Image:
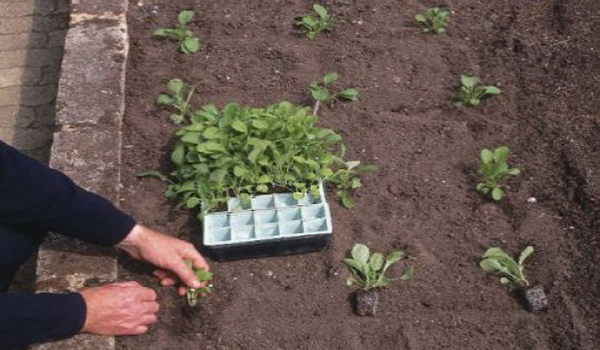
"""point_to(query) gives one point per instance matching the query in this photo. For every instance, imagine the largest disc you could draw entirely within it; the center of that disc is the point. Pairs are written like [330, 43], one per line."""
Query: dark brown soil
[543, 54]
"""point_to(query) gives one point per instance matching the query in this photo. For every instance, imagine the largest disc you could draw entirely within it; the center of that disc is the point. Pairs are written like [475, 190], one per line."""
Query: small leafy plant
[434, 19]
[471, 93]
[319, 90]
[188, 43]
[204, 277]
[494, 170]
[240, 151]
[496, 261]
[315, 24]
[367, 271]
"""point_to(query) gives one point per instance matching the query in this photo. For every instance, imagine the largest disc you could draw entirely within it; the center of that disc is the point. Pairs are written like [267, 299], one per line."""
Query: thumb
[185, 273]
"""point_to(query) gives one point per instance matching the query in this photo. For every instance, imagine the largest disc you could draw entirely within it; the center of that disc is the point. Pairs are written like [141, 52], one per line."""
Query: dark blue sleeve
[31, 318]
[33, 194]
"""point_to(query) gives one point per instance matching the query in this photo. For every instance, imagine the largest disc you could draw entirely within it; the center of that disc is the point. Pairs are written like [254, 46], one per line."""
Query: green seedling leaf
[471, 93]
[330, 77]
[154, 174]
[497, 193]
[320, 10]
[349, 94]
[487, 156]
[492, 90]
[496, 261]
[185, 17]
[348, 201]
[239, 126]
[313, 25]
[187, 42]
[433, 20]
[163, 99]
[360, 254]
[468, 82]
[175, 86]
[368, 270]
[494, 170]
[525, 254]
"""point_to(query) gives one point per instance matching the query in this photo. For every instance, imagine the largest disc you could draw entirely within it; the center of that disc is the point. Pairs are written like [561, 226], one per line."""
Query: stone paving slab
[87, 146]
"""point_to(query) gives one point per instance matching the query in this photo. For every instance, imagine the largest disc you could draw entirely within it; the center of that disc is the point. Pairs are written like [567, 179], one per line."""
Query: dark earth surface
[543, 54]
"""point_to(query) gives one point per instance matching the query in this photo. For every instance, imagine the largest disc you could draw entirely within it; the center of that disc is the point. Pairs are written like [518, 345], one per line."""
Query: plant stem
[316, 107]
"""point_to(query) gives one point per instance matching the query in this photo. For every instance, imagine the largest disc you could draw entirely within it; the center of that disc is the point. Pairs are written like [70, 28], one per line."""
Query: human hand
[167, 253]
[119, 309]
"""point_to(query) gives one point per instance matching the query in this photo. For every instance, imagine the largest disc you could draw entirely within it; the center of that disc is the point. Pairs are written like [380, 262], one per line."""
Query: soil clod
[366, 302]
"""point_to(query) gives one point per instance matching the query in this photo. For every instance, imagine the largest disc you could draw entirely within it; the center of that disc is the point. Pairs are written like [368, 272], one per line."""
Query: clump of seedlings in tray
[433, 19]
[240, 151]
[471, 92]
[188, 43]
[319, 90]
[204, 277]
[368, 273]
[494, 170]
[313, 25]
[496, 261]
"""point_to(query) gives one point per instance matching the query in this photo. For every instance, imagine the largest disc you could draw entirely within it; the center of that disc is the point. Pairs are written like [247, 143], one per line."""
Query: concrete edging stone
[87, 146]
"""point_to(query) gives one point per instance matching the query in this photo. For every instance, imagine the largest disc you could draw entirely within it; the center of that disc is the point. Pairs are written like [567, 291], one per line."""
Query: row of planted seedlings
[257, 176]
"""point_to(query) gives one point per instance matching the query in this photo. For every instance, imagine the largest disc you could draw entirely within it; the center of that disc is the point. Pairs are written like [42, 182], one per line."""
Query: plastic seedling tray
[269, 225]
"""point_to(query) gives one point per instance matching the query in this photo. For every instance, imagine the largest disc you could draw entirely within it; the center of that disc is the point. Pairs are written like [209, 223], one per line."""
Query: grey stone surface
[87, 145]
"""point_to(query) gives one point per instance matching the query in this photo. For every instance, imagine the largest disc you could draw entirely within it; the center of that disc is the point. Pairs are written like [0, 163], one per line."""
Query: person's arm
[33, 194]
[30, 318]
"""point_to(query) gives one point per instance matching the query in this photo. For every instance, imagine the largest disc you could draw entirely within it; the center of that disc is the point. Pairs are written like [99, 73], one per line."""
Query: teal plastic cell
[267, 230]
[285, 200]
[309, 199]
[289, 214]
[316, 225]
[235, 204]
[263, 202]
[265, 216]
[316, 211]
[217, 221]
[242, 218]
[242, 233]
[291, 227]
[220, 235]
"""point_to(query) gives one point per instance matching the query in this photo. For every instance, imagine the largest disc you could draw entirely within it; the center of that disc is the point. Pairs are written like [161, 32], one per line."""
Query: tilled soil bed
[543, 54]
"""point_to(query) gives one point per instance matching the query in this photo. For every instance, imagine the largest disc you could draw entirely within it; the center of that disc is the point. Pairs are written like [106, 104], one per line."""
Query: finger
[181, 290]
[146, 294]
[197, 260]
[167, 282]
[151, 307]
[140, 330]
[149, 319]
[127, 284]
[186, 275]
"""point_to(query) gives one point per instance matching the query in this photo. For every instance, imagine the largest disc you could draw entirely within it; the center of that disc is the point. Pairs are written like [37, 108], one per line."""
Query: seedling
[315, 24]
[204, 277]
[239, 151]
[188, 43]
[471, 93]
[368, 273]
[434, 19]
[319, 90]
[494, 170]
[496, 261]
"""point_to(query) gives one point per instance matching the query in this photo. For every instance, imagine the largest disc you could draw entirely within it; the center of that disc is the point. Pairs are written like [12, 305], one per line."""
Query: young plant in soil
[434, 19]
[496, 261]
[368, 273]
[203, 276]
[471, 92]
[188, 43]
[313, 25]
[494, 170]
[241, 151]
[319, 90]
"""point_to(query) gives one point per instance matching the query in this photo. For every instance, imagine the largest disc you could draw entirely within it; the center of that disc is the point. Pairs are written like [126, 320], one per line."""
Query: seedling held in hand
[498, 262]
[315, 24]
[434, 19]
[204, 277]
[368, 273]
[188, 43]
[471, 93]
[494, 170]
[319, 90]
